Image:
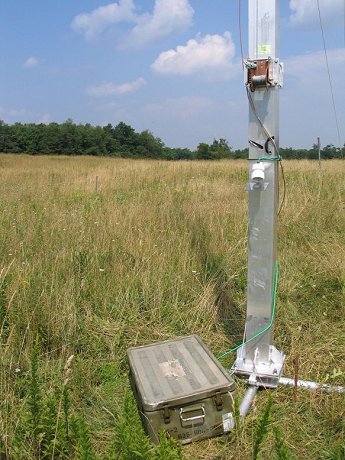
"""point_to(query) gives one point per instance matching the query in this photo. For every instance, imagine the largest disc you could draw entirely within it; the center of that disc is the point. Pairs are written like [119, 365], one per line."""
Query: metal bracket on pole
[263, 73]
[258, 360]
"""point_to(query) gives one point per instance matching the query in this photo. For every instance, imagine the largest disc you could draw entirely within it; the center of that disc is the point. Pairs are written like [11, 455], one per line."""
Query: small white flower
[102, 269]
[69, 362]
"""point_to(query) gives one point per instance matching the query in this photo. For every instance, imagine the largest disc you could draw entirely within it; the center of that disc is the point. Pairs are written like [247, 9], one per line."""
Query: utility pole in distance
[257, 359]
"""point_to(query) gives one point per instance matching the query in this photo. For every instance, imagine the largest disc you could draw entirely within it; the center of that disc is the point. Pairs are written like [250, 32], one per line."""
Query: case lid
[176, 372]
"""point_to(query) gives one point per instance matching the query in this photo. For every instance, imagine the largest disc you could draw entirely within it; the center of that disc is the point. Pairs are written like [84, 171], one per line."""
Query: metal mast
[258, 360]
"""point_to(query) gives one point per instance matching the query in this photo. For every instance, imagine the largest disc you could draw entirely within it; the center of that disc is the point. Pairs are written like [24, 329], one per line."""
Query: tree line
[122, 140]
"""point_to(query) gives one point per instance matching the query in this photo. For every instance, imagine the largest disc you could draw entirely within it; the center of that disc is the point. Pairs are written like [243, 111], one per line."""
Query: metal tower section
[258, 360]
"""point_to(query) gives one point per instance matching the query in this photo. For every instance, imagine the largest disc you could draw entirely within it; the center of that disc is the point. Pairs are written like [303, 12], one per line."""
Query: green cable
[223, 355]
[269, 159]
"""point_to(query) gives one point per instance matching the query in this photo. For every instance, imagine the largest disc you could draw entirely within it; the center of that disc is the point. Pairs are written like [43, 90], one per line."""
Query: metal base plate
[258, 373]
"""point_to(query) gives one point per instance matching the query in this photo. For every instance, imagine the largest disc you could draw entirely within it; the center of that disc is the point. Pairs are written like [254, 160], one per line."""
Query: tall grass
[158, 252]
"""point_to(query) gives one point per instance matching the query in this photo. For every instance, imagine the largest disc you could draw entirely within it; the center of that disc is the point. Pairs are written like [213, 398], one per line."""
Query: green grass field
[158, 252]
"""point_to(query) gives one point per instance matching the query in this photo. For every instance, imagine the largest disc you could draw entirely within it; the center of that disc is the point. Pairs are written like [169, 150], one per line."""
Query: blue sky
[170, 66]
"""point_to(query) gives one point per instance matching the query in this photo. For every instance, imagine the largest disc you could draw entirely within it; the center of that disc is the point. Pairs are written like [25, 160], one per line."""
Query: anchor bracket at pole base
[258, 372]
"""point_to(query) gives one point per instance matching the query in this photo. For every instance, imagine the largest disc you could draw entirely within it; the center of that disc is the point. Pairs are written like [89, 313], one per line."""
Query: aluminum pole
[258, 359]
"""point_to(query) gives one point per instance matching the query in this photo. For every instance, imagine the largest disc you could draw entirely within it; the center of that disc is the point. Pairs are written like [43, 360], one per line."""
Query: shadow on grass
[214, 271]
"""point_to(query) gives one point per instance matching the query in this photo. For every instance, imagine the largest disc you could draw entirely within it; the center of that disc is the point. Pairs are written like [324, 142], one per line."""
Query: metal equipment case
[181, 388]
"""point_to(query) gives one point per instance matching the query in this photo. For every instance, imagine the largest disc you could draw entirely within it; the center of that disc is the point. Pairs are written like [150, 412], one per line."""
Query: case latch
[166, 414]
[218, 401]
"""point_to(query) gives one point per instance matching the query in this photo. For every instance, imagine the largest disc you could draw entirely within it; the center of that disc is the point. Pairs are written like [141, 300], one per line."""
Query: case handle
[195, 417]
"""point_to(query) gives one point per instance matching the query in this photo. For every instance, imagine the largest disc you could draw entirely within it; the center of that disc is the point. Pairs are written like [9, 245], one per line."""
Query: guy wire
[329, 73]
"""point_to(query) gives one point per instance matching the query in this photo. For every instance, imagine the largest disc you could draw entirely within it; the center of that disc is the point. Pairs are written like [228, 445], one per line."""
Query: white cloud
[306, 11]
[168, 17]
[30, 62]
[110, 89]
[94, 23]
[314, 64]
[212, 53]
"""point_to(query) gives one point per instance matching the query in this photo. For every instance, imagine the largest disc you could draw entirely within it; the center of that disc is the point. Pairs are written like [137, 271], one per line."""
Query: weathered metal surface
[180, 387]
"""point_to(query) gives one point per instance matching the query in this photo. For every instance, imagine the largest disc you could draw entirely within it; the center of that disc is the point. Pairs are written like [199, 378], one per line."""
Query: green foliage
[282, 452]
[130, 441]
[81, 440]
[149, 146]
[70, 139]
[237, 414]
[167, 449]
[262, 428]
[45, 432]
[2, 449]
[34, 399]
[217, 150]
[177, 154]
[40, 427]
[4, 323]
[337, 453]
[48, 426]
[203, 152]
[66, 408]
[220, 149]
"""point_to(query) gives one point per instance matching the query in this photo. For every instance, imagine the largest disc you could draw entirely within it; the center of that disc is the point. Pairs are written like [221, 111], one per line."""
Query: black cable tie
[255, 144]
[266, 144]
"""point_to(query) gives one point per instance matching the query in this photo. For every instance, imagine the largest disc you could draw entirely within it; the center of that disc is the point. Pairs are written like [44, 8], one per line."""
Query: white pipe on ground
[252, 390]
[312, 385]
[247, 400]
